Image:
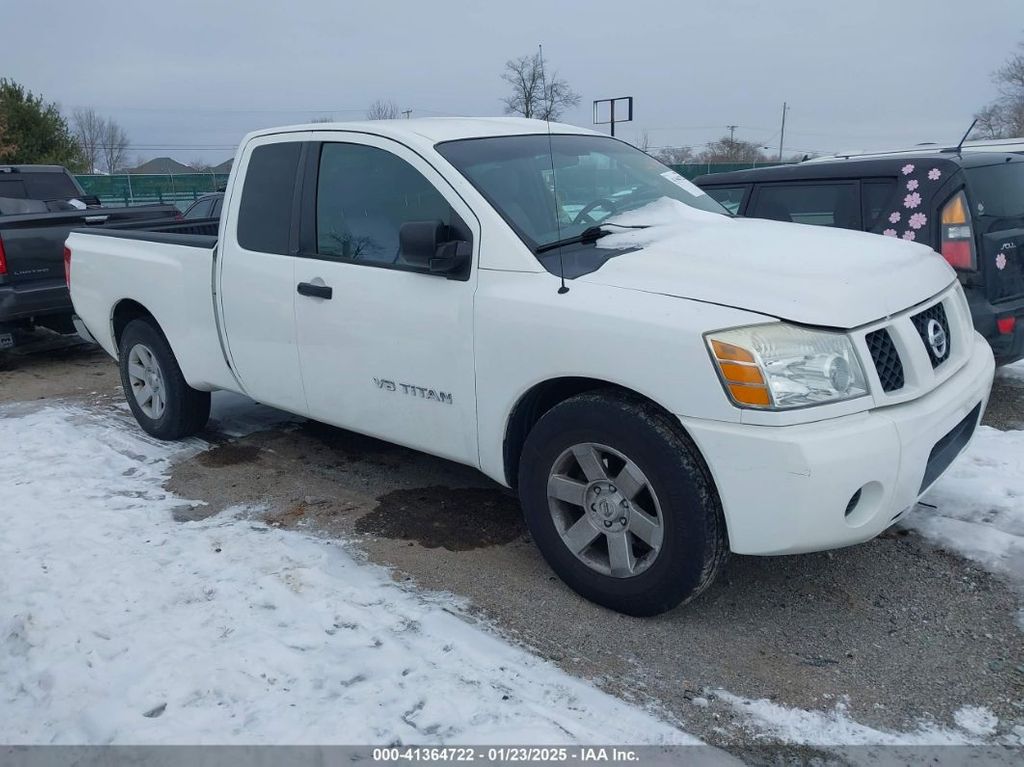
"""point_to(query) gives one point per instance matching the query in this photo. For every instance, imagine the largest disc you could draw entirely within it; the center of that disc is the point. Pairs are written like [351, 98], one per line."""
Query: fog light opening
[854, 500]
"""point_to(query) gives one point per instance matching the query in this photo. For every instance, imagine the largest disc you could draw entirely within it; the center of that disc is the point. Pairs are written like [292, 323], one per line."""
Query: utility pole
[732, 132]
[407, 113]
[782, 133]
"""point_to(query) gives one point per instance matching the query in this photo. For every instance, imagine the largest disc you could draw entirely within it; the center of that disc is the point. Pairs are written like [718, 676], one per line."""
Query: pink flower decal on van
[918, 220]
[934, 174]
[912, 200]
[889, 232]
[912, 185]
[894, 217]
[907, 169]
[1001, 261]
[909, 235]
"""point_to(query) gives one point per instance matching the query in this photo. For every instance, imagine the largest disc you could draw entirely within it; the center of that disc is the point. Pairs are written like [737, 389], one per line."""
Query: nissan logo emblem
[937, 339]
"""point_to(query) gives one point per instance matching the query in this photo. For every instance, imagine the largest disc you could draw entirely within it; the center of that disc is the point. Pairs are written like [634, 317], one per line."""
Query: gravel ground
[906, 631]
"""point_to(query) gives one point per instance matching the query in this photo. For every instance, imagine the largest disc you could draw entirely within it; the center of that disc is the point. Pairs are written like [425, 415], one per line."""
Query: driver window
[364, 195]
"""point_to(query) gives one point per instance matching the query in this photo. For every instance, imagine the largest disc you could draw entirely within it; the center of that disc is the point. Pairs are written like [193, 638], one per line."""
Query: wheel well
[538, 401]
[126, 311]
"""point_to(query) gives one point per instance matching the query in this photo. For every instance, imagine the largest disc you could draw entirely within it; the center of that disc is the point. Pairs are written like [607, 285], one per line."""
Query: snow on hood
[809, 274]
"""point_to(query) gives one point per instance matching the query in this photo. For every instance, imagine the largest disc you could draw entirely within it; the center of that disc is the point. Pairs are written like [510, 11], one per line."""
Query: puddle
[440, 517]
[228, 454]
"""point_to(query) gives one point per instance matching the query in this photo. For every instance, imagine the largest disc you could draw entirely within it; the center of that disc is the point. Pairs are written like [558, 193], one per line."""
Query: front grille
[886, 358]
[938, 344]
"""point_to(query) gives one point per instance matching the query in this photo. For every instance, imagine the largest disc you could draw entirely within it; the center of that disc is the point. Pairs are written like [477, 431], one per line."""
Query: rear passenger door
[386, 346]
[820, 203]
[256, 262]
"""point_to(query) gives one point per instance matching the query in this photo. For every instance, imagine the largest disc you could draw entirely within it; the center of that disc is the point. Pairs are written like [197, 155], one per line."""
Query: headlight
[779, 366]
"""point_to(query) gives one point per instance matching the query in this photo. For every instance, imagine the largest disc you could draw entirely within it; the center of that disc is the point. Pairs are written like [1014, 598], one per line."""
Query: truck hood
[808, 274]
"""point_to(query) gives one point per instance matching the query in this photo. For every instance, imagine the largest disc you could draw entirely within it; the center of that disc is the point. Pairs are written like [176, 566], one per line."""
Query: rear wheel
[162, 402]
[620, 504]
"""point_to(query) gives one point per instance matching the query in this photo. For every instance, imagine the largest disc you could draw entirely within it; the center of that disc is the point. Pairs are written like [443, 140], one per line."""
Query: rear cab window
[38, 185]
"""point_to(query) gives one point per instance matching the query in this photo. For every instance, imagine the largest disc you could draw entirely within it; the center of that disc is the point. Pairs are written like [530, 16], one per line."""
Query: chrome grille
[928, 324]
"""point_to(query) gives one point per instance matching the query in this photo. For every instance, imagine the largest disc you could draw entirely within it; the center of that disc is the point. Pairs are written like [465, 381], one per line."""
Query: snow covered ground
[120, 625]
[980, 504]
[974, 726]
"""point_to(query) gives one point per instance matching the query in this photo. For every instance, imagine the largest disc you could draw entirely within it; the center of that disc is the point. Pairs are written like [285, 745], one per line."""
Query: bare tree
[675, 155]
[324, 119]
[536, 92]
[643, 141]
[728, 149]
[115, 147]
[382, 109]
[199, 165]
[1004, 117]
[90, 131]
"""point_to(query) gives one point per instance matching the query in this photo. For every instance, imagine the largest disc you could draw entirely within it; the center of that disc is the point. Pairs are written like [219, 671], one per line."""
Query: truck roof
[32, 169]
[435, 129]
[856, 167]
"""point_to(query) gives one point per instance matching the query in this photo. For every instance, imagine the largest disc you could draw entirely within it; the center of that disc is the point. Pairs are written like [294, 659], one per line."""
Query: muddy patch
[228, 454]
[349, 446]
[440, 517]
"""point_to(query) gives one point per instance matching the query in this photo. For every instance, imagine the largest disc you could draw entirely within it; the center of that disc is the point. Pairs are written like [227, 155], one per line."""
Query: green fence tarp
[691, 170]
[141, 188]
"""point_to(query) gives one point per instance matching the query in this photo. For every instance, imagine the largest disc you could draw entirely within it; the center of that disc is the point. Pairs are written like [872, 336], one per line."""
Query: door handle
[314, 290]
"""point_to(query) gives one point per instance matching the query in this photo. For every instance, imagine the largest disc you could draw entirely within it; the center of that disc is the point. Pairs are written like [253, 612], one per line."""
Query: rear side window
[265, 213]
[730, 197]
[820, 204]
[876, 195]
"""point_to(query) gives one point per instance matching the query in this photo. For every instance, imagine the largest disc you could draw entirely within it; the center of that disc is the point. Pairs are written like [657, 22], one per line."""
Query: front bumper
[791, 489]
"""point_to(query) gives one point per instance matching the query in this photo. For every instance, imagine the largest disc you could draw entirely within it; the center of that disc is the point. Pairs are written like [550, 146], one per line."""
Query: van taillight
[67, 266]
[3, 258]
[957, 234]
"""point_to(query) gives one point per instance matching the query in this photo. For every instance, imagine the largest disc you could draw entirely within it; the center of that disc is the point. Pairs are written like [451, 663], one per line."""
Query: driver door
[386, 346]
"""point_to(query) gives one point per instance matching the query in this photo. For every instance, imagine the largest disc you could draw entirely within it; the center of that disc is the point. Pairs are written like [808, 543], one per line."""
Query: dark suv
[967, 206]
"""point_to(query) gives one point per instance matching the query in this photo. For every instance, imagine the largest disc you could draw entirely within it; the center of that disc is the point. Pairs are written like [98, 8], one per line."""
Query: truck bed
[32, 288]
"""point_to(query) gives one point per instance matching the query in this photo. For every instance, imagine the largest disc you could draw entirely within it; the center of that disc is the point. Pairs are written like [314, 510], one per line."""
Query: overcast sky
[188, 78]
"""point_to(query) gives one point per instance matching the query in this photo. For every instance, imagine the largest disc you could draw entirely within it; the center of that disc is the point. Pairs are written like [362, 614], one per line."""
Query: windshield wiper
[590, 234]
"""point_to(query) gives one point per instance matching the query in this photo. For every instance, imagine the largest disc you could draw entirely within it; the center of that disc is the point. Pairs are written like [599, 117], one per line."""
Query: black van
[967, 206]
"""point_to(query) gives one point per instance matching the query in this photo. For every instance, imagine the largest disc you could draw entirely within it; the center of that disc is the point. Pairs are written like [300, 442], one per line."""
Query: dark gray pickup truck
[39, 206]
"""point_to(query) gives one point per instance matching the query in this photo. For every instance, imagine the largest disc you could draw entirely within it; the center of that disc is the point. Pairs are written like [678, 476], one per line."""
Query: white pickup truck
[660, 382]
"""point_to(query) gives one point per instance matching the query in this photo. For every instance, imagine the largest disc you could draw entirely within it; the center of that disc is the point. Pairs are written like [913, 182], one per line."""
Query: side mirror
[426, 245]
[418, 241]
[452, 258]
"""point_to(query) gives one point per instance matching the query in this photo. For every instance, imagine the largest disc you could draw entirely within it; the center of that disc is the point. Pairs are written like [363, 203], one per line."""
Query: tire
[619, 569]
[182, 411]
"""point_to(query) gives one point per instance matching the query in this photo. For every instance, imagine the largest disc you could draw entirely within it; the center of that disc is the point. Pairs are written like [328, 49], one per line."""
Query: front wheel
[620, 504]
[162, 402]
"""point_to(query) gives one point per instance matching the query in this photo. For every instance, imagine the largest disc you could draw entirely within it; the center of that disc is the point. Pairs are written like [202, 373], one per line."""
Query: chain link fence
[146, 189]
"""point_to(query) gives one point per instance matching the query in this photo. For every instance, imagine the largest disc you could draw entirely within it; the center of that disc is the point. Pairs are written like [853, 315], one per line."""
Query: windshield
[554, 188]
[997, 191]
